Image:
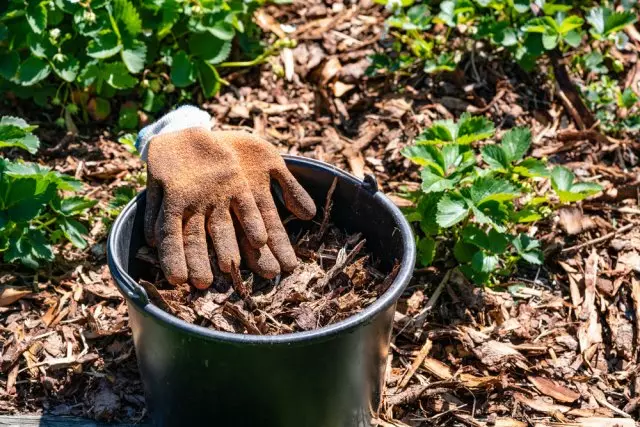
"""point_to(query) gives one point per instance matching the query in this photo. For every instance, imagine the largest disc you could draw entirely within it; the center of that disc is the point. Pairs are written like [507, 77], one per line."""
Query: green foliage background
[58, 50]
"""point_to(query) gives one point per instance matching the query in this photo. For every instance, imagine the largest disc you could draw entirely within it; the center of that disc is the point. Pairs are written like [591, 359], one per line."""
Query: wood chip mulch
[553, 346]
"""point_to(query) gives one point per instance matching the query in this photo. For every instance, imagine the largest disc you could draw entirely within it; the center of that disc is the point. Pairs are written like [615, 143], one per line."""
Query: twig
[248, 323]
[416, 392]
[568, 93]
[420, 317]
[599, 239]
[601, 399]
[424, 351]
[239, 286]
[577, 135]
[327, 210]
[341, 263]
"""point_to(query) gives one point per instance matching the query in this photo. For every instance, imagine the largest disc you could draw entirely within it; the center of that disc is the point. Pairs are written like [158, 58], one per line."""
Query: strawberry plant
[526, 29]
[617, 110]
[473, 202]
[81, 53]
[36, 208]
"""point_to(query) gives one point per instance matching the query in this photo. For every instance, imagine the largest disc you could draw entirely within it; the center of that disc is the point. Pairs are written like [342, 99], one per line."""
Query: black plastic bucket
[329, 377]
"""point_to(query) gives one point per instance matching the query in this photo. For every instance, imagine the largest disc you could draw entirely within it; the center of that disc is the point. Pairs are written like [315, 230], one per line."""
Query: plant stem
[258, 60]
[46, 224]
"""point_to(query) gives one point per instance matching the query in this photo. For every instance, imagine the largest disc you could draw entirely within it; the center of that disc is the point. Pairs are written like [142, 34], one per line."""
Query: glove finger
[278, 242]
[247, 213]
[261, 261]
[171, 246]
[223, 236]
[154, 201]
[296, 198]
[196, 254]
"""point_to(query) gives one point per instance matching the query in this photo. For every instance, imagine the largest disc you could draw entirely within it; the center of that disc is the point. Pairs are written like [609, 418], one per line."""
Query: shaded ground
[554, 345]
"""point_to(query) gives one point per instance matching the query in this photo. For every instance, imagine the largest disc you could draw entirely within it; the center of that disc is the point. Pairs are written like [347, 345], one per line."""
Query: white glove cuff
[184, 117]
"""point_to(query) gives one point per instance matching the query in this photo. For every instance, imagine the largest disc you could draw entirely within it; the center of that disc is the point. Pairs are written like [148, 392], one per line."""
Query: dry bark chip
[495, 355]
[553, 389]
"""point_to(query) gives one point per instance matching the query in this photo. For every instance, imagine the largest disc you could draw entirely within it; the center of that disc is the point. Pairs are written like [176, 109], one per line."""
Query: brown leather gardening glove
[262, 163]
[198, 179]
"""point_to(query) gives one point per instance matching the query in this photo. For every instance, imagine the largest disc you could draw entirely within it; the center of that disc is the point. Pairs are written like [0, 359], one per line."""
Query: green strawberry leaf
[586, 188]
[117, 76]
[15, 132]
[451, 210]
[463, 252]
[209, 79]
[573, 38]
[498, 242]
[550, 40]
[528, 249]
[74, 231]
[562, 178]
[521, 6]
[425, 155]
[40, 248]
[627, 99]
[432, 182]
[426, 251]
[9, 63]
[37, 16]
[30, 247]
[486, 189]
[26, 200]
[67, 68]
[104, 46]
[208, 48]
[491, 212]
[219, 25]
[91, 27]
[457, 159]
[605, 21]
[72, 206]
[532, 168]
[183, 72]
[134, 55]
[18, 122]
[482, 262]
[126, 14]
[41, 46]
[31, 143]
[570, 23]
[525, 215]
[516, 143]
[495, 157]
[33, 70]
[477, 277]
[428, 208]
[128, 116]
[473, 128]
[542, 25]
[441, 132]
[475, 236]
[562, 181]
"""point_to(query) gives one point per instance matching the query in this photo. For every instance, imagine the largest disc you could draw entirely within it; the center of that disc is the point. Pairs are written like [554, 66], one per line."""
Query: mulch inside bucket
[336, 278]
